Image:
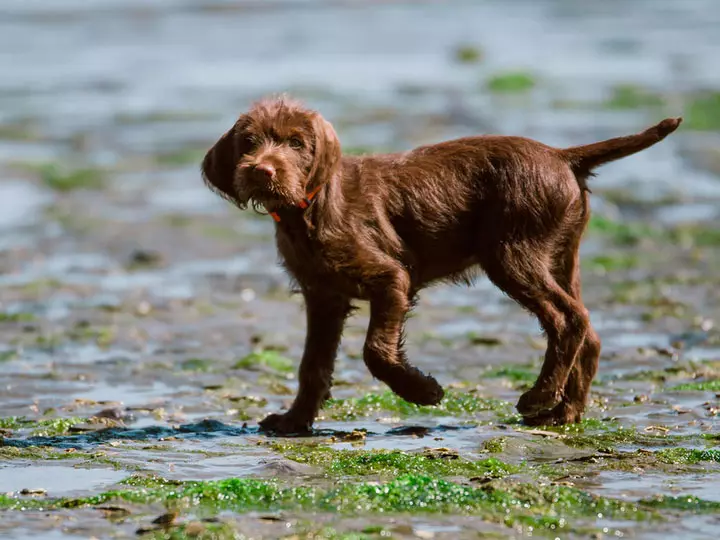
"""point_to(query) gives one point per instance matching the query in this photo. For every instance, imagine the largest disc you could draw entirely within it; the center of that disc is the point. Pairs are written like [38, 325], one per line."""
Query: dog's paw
[418, 388]
[536, 401]
[285, 424]
[561, 415]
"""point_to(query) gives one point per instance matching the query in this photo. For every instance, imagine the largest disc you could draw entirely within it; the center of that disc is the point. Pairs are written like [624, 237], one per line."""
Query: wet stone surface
[145, 328]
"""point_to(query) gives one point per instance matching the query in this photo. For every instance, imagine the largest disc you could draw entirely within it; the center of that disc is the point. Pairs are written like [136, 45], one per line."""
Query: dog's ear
[218, 166]
[220, 163]
[326, 155]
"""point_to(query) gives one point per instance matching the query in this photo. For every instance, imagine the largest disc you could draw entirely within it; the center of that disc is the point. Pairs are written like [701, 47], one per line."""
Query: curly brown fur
[383, 227]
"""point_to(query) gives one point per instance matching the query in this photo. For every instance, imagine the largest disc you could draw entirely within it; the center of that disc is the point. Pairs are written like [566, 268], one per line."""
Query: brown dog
[382, 227]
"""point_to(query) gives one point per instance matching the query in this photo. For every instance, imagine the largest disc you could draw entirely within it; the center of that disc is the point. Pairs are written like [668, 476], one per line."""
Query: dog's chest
[312, 262]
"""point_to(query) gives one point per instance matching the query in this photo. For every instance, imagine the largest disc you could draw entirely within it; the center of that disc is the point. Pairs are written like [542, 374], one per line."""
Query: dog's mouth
[269, 197]
[270, 194]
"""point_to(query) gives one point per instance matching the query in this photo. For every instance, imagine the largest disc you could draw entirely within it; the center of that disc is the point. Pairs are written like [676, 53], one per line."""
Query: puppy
[382, 227]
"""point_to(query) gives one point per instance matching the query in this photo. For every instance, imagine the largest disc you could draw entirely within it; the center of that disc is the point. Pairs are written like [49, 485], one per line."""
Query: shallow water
[134, 301]
[57, 481]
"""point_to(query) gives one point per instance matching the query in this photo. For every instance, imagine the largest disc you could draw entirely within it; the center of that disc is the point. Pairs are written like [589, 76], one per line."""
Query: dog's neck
[315, 209]
[304, 204]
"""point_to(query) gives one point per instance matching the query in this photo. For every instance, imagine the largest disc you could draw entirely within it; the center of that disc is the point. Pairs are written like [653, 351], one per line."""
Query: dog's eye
[296, 142]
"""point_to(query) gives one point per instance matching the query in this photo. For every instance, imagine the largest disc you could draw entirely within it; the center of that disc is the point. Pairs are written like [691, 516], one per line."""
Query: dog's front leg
[326, 314]
[383, 356]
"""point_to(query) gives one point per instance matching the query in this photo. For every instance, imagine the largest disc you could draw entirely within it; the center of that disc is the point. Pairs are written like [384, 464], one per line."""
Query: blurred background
[133, 91]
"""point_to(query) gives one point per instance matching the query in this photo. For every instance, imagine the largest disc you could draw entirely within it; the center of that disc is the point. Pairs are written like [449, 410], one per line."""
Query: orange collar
[302, 204]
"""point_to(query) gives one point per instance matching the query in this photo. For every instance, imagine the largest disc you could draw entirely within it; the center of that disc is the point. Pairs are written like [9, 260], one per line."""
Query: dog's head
[273, 156]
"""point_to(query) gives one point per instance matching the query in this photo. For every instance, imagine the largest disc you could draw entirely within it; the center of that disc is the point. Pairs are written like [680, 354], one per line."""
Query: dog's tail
[583, 159]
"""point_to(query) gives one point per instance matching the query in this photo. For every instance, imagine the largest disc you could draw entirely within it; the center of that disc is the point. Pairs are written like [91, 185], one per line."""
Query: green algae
[476, 339]
[180, 157]
[699, 386]
[514, 82]
[535, 504]
[26, 130]
[686, 503]
[695, 235]
[197, 364]
[468, 54]
[623, 233]
[6, 356]
[16, 317]
[586, 425]
[149, 480]
[454, 403]
[196, 531]
[393, 462]
[35, 453]
[64, 179]
[622, 437]
[528, 504]
[41, 428]
[687, 456]
[630, 96]
[103, 336]
[612, 262]
[268, 359]
[496, 445]
[703, 112]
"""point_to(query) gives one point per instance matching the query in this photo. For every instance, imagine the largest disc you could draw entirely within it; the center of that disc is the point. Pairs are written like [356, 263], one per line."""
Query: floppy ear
[218, 166]
[326, 155]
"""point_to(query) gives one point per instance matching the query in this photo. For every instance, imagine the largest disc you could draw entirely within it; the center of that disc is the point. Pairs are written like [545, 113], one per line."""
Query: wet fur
[383, 227]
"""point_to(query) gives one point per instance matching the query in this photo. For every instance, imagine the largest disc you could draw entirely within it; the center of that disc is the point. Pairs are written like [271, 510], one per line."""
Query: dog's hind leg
[566, 270]
[531, 283]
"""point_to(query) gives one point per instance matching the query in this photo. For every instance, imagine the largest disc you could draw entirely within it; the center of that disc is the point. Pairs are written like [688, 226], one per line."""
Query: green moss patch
[41, 428]
[529, 504]
[394, 463]
[454, 403]
[181, 157]
[629, 96]
[468, 54]
[268, 359]
[197, 364]
[703, 112]
[37, 453]
[699, 386]
[612, 262]
[621, 437]
[63, 178]
[687, 456]
[16, 317]
[621, 232]
[514, 82]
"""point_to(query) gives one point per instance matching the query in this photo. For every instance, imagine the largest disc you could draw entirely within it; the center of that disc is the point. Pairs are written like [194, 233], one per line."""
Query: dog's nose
[264, 171]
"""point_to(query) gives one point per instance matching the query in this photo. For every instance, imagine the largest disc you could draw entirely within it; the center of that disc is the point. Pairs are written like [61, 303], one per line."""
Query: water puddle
[128, 395]
[58, 481]
[636, 486]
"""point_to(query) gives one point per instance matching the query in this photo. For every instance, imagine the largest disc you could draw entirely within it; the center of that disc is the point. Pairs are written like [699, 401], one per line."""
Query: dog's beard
[271, 195]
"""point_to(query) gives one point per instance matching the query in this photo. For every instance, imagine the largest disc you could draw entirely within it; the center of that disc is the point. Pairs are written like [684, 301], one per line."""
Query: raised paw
[285, 424]
[415, 387]
[536, 401]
